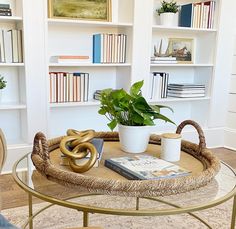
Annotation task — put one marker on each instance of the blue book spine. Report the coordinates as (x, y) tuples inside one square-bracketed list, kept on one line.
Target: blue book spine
[(186, 15), (97, 48)]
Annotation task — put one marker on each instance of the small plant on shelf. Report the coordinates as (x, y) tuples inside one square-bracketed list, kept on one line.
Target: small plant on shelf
[(3, 83), (168, 7), (129, 109)]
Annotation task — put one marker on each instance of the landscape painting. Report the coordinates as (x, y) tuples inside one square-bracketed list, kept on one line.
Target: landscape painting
[(182, 49), (80, 9)]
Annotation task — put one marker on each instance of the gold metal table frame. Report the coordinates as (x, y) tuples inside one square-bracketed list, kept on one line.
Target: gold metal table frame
[(26, 184)]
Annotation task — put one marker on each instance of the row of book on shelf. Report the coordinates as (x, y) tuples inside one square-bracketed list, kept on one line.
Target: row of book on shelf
[(5, 10), (68, 87), (141, 167), (198, 15), (109, 48), (11, 47), (161, 88)]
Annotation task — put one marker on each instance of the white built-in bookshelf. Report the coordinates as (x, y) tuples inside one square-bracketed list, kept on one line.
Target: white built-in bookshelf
[(26, 108)]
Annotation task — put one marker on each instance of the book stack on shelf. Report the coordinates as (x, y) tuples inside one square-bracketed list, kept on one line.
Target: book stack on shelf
[(163, 60), (198, 15), (158, 85), (98, 143), (11, 47), (68, 87), (145, 167), (109, 48), (97, 94), (67, 59), (186, 90), (5, 10)]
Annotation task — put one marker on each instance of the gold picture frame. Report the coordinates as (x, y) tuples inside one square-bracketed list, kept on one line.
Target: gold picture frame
[(95, 10), (182, 49)]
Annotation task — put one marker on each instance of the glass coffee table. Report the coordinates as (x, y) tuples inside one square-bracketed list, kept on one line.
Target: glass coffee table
[(221, 189)]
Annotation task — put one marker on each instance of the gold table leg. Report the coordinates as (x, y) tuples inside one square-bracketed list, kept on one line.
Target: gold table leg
[(30, 212), (233, 214), (137, 203), (85, 219)]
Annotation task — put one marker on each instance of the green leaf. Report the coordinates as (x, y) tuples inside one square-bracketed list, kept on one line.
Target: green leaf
[(102, 111), (112, 124), (164, 118), (135, 89)]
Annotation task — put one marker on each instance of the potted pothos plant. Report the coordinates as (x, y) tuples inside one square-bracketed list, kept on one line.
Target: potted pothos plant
[(3, 84), (167, 13), (133, 115)]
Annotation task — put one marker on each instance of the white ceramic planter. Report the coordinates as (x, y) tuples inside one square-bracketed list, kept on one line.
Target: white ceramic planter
[(134, 139), (0, 95), (169, 19)]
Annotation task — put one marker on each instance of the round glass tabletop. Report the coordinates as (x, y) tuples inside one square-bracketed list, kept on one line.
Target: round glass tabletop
[(220, 189)]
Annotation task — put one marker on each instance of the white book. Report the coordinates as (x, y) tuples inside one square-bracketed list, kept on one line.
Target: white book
[(82, 87), (19, 46), (8, 47), (2, 47), (14, 45), (186, 95), (86, 86), (164, 62)]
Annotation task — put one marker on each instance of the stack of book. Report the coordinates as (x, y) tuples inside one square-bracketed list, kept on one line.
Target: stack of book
[(198, 15), (186, 90), (68, 87), (5, 10), (163, 60), (66, 59), (158, 85), (109, 48), (98, 143), (97, 94), (11, 47), (145, 167)]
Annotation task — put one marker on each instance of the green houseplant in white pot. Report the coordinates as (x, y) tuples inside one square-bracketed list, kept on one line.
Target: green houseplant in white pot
[(168, 13), (3, 84), (133, 115)]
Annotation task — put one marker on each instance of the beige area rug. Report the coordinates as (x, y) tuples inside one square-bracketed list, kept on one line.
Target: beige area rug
[(59, 217)]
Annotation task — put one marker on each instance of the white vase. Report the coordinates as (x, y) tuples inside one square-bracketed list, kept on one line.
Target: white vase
[(0, 95), (169, 19), (134, 139)]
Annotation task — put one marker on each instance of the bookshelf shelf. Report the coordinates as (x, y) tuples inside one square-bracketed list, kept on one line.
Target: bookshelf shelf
[(12, 64), (4, 19), (169, 100), (88, 65), (12, 106), (87, 23), (74, 104), (182, 29), (182, 65)]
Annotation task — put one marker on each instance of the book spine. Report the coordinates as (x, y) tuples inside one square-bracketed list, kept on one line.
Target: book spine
[(97, 48), (122, 172)]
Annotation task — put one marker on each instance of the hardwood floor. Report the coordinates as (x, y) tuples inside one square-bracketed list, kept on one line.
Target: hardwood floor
[(12, 196)]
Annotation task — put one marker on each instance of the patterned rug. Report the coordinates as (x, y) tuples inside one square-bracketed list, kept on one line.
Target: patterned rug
[(59, 217)]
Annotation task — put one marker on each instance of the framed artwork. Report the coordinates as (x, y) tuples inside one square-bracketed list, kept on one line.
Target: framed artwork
[(182, 49), (80, 9)]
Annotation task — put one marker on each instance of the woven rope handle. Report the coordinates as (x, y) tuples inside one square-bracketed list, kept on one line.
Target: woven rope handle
[(202, 141), (41, 146)]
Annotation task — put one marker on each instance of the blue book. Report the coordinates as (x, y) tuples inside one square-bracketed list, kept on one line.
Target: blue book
[(97, 48), (186, 15)]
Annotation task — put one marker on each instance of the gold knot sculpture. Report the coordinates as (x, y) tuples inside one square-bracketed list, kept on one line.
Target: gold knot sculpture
[(76, 146)]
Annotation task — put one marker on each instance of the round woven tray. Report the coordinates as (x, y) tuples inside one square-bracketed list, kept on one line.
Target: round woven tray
[(136, 188)]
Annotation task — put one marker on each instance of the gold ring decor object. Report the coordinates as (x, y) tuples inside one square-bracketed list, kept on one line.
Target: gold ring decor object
[(76, 146), (84, 136), (86, 146)]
